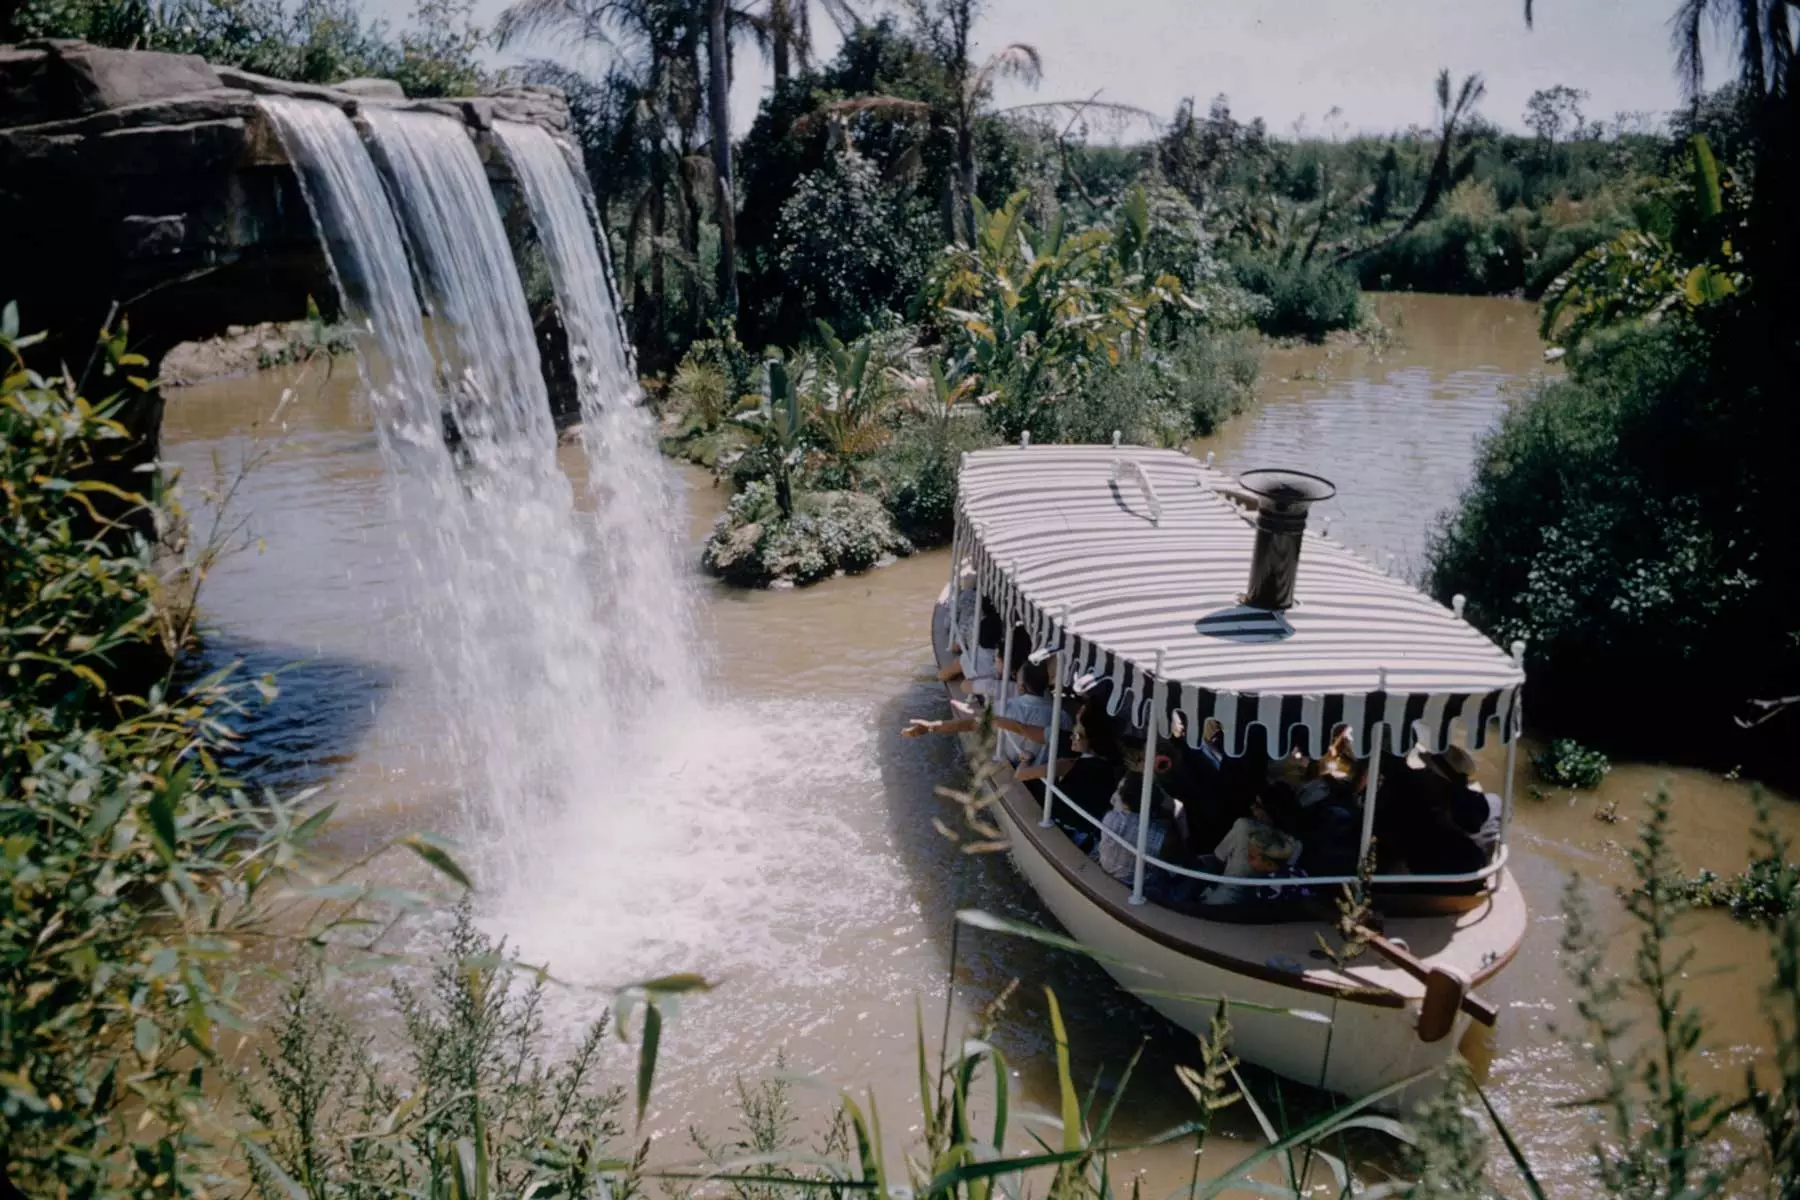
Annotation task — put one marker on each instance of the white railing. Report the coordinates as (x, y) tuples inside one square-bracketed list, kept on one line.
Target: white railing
[(1141, 857), (1053, 793)]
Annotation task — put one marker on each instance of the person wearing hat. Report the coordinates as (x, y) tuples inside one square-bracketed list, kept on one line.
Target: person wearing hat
[(1425, 830), (1472, 810)]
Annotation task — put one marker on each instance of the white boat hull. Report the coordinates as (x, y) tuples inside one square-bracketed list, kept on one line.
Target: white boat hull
[(1364, 1047)]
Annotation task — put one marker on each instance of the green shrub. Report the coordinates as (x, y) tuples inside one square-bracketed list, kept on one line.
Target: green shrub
[(333, 1107), (1459, 253), (1765, 891), (753, 546), (1306, 300), (1567, 763), (133, 868), (1163, 397), (1607, 523)]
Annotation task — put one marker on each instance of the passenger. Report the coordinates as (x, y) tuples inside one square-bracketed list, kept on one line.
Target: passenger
[(1330, 817), (1088, 778), (1194, 782), (1118, 856), (1428, 838), (976, 659), (1266, 853), (1474, 811), (984, 690), (969, 611), (1232, 856), (1023, 721)]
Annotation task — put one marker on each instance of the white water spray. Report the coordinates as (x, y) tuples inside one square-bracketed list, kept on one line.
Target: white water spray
[(640, 515), (504, 607)]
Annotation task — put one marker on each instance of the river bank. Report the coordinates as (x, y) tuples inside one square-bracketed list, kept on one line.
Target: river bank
[(776, 832)]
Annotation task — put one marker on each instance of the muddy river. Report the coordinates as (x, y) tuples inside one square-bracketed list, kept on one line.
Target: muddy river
[(776, 833)]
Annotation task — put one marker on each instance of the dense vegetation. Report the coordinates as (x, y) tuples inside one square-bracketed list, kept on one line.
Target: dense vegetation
[(316, 41), (1632, 520), (144, 894), (1060, 279)]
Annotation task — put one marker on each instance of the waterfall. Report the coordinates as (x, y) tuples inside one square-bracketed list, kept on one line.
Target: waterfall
[(368, 264), (639, 514), (504, 602)]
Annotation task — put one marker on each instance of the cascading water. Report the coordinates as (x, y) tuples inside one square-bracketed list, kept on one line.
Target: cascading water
[(639, 514), (503, 601), (662, 832)]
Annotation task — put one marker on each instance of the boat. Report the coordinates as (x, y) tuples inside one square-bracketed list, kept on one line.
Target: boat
[(1202, 595)]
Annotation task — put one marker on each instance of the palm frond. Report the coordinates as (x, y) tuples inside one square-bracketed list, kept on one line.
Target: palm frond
[(842, 14), (1687, 30), (1113, 115), (1473, 89), (1017, 61), (891, 107), (529, 19), (1779, 34)]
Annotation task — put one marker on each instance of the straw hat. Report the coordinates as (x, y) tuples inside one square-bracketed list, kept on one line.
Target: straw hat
[(1455, 762)]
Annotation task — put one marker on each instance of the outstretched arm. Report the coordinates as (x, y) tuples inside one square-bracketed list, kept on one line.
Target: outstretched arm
[(1025, 774), (919, 726)]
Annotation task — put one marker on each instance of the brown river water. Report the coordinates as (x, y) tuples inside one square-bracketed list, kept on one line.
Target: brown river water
[(781, 839)]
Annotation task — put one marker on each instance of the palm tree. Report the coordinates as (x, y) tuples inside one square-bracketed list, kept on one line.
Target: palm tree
[(946, 26), (784, 30), (655, 79), (718, 96), (1452, 113)]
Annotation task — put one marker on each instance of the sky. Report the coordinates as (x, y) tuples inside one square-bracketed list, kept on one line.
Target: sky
[(1295, 60)]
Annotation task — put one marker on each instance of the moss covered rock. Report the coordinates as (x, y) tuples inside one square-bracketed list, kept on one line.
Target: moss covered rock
[(829, 533)]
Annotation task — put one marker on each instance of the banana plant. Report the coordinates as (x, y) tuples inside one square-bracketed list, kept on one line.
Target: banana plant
[(1035, 310), (780, 427), (1688, 263), (851, 398)]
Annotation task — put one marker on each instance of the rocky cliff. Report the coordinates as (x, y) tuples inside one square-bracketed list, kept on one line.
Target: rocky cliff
[(153, 182)]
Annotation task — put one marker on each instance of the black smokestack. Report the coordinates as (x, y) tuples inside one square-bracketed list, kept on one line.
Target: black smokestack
[(1283, 498)]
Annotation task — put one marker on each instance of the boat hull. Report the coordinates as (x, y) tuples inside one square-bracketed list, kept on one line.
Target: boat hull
[(1358, 1049)]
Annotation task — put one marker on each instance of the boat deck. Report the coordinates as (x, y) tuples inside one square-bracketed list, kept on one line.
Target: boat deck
[(1477, 941)]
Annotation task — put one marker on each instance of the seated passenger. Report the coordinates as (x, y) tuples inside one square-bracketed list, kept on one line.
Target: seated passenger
[(1232, 855), (1023, 721), (983, 690), (1118, 856), (1429, 839), (977, 657), (1088, 778), (1474, 811), (1329, 820), (1194, 782), (1266, 853)]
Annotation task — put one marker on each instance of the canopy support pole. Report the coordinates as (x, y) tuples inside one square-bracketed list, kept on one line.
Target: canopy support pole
[(1509, 733), (1054, 733), (955, 584), (1374, 781), (1148, 786), (1006, 663)]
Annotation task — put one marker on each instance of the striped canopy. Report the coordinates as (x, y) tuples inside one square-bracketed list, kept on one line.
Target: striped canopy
[(1115, 553)]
